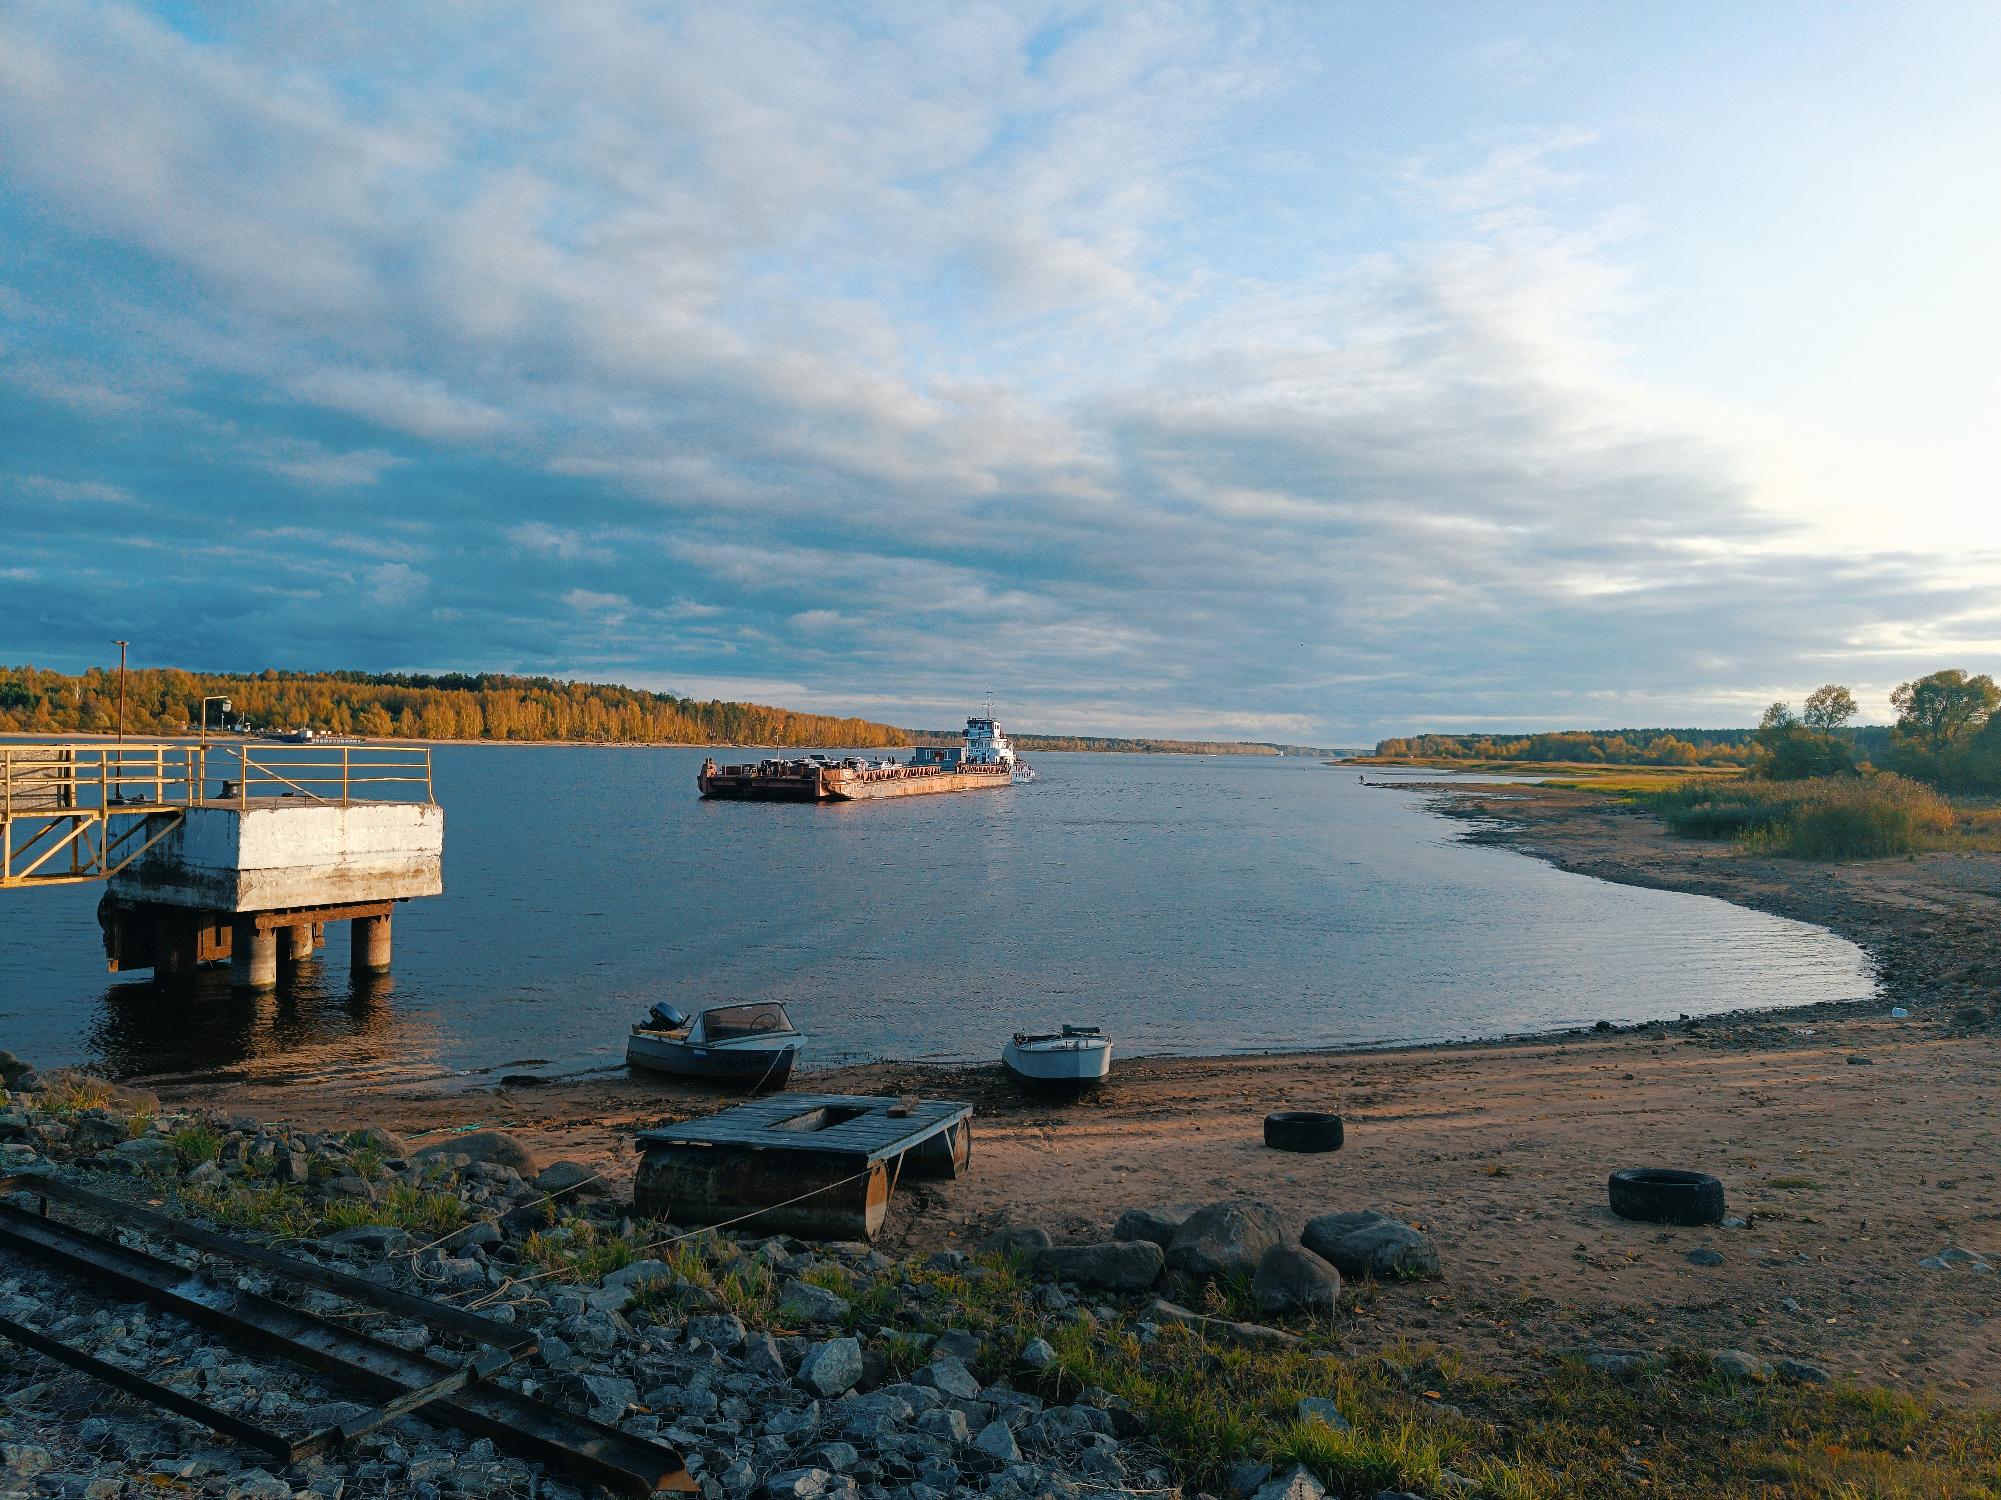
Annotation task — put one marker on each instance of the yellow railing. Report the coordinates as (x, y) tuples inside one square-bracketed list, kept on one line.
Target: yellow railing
[(102, 805)]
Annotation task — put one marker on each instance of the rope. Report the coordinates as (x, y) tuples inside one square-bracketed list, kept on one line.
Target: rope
[(496, 1218)]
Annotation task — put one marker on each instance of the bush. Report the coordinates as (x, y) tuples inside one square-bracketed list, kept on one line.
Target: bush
[(1826, 817)]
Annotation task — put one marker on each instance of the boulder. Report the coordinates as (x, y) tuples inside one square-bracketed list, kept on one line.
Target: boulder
[(949, 1376), (831, 1369), (369, 1239), (571, 1179), (1292, 1279), (1803, 1372), (1038, 1354), (1224, 1330), (803, 1302), (724, 1330), (1741, 1366), (635, 1274), (1371, 1244), (1225, 1240), (1156, 1224), (490, 1147), (1297, 1483), (1320, 1409), (150, 1153), (1118, 1266), (1016, 1239), (13, 1069), (996, 1440)]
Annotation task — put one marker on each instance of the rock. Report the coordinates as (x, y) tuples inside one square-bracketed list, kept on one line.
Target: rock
[(607, 1395), (489, 1147), (258, 1485), (1155, 1224), (798, 1484), (803, 1302), (1371, 1244), (24, 1460), (1802, 1372), (947, 1422), (1952, 1258), (571, 1180), (1857, 1060), (1320, 1409), (950, 1376), (636, 1274), (761, 1356), (840, 1457), (371, 1239), (1245, 1478), (1118, 1266), (1704, 1256), (1618, 1363), (12, 1069), (831, 1369), (997, 1439), (1295, 1484), (1225, 1240), (1292, 1278), (1038, 1354), (1252, 1335), (1016, 1239), (150, 1153), (1740, 1366), (724, 1330)]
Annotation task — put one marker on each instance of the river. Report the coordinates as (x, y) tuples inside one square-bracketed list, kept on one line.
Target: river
[(1189, 905)]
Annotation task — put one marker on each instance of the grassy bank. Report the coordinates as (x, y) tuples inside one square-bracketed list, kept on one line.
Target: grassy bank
[(1835, 817)]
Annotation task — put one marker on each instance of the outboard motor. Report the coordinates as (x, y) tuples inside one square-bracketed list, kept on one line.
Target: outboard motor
[(666, 1016)]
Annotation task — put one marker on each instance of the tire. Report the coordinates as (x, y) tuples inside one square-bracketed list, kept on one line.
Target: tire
[(1661, 1195), (1302, 1130)]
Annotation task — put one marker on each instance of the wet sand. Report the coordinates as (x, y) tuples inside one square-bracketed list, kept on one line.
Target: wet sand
[(1850, 1172)]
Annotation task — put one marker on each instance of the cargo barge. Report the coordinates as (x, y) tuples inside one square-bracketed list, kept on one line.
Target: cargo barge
[(986, 761)]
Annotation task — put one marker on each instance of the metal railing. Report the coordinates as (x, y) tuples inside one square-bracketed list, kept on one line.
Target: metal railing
[(103, 805)]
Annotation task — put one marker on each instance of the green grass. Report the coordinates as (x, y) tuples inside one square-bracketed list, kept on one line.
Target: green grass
[(195, 1144)]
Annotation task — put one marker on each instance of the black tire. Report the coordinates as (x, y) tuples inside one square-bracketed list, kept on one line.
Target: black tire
[(1302, 1130), (1661, 1195)]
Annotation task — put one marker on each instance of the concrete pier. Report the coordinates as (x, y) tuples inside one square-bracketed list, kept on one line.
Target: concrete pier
[(256, 882)]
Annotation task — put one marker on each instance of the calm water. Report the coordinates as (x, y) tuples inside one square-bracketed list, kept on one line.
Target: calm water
[(1190, 906)]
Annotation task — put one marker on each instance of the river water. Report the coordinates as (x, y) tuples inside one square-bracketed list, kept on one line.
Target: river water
[(1188, 905)]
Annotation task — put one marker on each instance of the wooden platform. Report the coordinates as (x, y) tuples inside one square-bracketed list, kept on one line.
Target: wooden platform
[(819, 1165)]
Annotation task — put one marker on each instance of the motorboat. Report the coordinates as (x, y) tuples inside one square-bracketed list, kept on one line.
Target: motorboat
[(1077, 1057), (753, 1044)]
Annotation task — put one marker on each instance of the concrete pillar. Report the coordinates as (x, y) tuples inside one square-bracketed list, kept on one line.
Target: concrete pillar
[(295, 944), (253, 961), (370, 936)]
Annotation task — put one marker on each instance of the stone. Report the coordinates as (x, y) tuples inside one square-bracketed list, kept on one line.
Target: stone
[(1952, 1258), (490, 1147), (761, 1355), (1225, 1240), (150, 1154), (724, 1330), (1155, 1224), (1245, 1478), (1618, 1363), (1371, 1244), (1038, 1354), (803, 1302), (798, 1484), (832, 1368), (1292, 1279), (1116, 1266), (607, 1395), (572, 1180), (258, 1485), (947, 1422), (1320, 1409), (1224, 1330), (637, 1273), (1857, 1060), (13, 1069), (1741, 1366), (1802, 1372), (1016, 1239), (949, 1376), (1704, 1256), (1297, 1483), (997, 1440), (961, 1345), (370, 1239), (24, 1460)]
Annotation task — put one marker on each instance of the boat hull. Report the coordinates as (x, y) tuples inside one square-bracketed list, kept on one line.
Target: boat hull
[(1058, 1069), (761, 1068), (747, 784)]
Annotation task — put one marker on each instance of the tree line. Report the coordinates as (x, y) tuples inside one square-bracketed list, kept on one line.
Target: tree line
[(1948, 733), (1614, 747), (449, 706)]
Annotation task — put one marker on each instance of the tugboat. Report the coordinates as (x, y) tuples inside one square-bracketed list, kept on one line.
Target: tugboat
[(987, 760)]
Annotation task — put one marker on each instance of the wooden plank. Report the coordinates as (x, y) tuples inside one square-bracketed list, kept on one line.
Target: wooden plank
[(762, 1125)]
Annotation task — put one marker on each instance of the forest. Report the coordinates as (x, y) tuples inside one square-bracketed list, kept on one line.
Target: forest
[(1615, 747), (451, 706)]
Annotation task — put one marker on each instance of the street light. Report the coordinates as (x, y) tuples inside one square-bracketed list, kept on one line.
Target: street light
[(121, 645)]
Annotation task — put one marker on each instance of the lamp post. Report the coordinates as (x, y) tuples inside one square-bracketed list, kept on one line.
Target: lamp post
[(121, 645), (204, 742)]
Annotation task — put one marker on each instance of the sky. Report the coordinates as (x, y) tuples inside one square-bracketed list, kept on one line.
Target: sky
[(1309, 372)]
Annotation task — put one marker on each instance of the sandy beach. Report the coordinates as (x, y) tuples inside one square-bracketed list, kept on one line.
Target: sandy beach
[(1853, 1144)]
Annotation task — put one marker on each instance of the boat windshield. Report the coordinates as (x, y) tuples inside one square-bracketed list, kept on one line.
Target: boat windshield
[(733, 1021)]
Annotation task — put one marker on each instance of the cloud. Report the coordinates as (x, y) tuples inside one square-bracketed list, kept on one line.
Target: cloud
[(880, 363)]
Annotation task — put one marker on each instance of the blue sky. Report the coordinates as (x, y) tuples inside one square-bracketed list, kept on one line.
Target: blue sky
[(1308, 372)]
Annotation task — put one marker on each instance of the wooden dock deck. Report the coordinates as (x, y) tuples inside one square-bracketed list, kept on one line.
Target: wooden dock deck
[(823, 1166)]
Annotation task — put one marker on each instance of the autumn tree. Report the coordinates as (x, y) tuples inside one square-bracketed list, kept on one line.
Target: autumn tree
[(1829, 708), (1936, 713)]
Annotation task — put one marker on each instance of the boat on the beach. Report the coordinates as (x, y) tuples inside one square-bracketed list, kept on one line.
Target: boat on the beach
[(1077, 1057), (986, 760), (754, 1044)]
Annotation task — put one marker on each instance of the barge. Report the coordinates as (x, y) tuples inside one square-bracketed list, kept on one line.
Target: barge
[(986, 761)]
